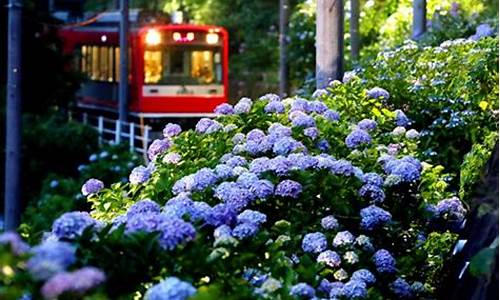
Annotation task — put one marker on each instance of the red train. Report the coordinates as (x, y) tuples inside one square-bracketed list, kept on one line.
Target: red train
[(176, 70)]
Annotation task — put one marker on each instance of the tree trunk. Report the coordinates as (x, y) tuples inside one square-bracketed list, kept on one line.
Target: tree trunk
[(283, 40), (329, 41), (419, 18), (354, 29), (13, 126), (123, 85)]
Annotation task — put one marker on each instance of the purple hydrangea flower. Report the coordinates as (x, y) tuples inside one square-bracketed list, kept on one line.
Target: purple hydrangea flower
[(311, 132), (158, 147), (50, 258), (242, 107), (412, 134), (286, 145), (17, 245), (224, 109), (319, 93), (223, 171), (331, 115), (324, 286), (179, 206), (171, 130), (288, 188), (270, 97), (79, 282), (301, 161), (318, 107), (203, 124), (244, 230), (329, 223), (275, 107), (451, 209), (363, 275), (278, 130), (92, 186), (355, 289), (343, 238), (329, 258), (373, 217), (171, 288), (236, 161), (238, 138), (357, 137), (384, 262), (280, 165), (373, 179), (401, 118), (342, 167), (323, 145), (251, 216), (372, 192), (336, 290), (367, 125), (401, 288), (139, 175), (314, 242), (259, 165), (262, 188), (301, 119), (204, 178), (247, 179), (302, 290), (172, 158), (72, 224), (348, 76), (377, 92), (300, 105)]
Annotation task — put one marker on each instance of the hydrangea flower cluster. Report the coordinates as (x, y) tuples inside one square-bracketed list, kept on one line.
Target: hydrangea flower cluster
[(171, 288), (78, 282), (49, 258), (72, 224), (357, 138), (171, 130), (373, 217), (384, 261), (92, 186), (17, 245), (378, 93), (314, 242), (158, 147)]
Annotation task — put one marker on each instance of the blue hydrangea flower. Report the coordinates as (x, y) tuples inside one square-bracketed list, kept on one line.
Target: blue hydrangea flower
[(280, 165), (139, 175), (77, 282), (300, 105), (319, 93), (329, 258), (244, 230), (259, 165), (222, 231), (262, 188), (17, 245), (372, 192), (288, 188), (247, 179), (286, 145), (50, 258), (451, 209), (336, 290), (311, 132), (172, 158), (377, 93), (373, 179), (348, 76), (301, 161), (221, 214), (302, 290), (331, 115), (203, 124), (342, 167), (143, 206), (242, 107), (72, 224), (412, 134), (373, 217), (279, 130), (384, 262), (236, 161), (255, 277), (401, 288), (251, 216), (329, 223), (323, 145), (318, 107), (270, 97), (204, 178), (343, 238), (355, 289), (275, 107), (357, 138), (224, 109), (159, 146), (314, 242), (363, 275), (367, 125), (171, 288), (171, 130), (301, 119), (92, 186), (401, 118), (406, 171), (324, 286)]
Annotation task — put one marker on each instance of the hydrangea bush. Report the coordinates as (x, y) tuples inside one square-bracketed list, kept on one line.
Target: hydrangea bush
[(252, 204)]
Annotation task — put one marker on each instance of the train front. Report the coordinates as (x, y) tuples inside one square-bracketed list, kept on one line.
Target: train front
[(182, 70)]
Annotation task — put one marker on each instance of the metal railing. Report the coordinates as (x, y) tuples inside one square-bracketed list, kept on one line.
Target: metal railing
[(138, 136)]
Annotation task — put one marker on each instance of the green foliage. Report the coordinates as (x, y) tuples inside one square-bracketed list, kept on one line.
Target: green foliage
[(481, 264), (437, 248)]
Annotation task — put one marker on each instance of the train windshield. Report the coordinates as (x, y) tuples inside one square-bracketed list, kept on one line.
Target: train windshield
[(183, 65)]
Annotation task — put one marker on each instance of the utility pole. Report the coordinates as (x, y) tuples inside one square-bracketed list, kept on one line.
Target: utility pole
[(283, 40), (13, 126), (123, 86), (329, 41), (419, 18), (354, 29)]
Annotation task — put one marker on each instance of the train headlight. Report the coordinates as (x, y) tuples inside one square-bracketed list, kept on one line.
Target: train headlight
[(212, 38), (153, 37)]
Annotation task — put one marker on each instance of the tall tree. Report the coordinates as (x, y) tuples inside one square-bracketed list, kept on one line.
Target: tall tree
[(329, 41), (419, 18), (13, 126), (123, 85), (354, 29), (283, 39)]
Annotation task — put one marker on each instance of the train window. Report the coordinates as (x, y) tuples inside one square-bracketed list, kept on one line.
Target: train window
[(94, 72), (100, 63), (103, 64), (117, 64), (183, 65)]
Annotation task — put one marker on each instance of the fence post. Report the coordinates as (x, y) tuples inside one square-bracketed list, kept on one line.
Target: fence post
[(118, 131), (131, 136), (145, 141), (100, 128)]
